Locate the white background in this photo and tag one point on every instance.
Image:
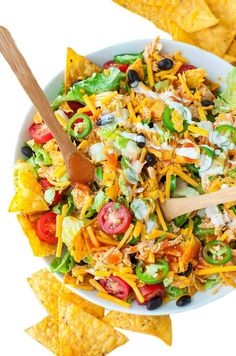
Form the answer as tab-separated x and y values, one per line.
43	30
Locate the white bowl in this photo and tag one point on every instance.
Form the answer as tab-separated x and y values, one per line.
217	70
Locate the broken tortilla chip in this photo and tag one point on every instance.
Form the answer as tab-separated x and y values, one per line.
232	49
194	15
225	11
158	325
80	333
48	288
46	332
215	39
179	34
78	68
230	59
39	248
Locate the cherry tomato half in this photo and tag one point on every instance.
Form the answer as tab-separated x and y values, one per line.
121	67
116	286
150	291
40	133
114	218
46	228
185	67
45	185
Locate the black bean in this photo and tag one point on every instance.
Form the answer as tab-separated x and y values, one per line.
207	103
119	158
154	303
150	160
150	125
133	259
165	64
232	244
184	300
105	119
27	151
187	272
133	78
141	140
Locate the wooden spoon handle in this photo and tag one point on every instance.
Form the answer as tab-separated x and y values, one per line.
178	206
23	73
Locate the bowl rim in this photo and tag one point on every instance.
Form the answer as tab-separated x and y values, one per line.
89	295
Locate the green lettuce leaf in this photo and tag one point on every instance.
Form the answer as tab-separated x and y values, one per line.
97	83
226	101
100	199
62	264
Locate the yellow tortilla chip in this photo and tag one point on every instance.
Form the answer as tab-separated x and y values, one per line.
194	15
37	118
159	325
46	332
138	67
232	49
80	333
179	34
73	282
39	247
47	289
27	201
78	68
196	78
215	39
225	11
229	59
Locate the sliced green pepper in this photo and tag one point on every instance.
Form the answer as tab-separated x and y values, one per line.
127	58
228	131
174	292
79	126
181	220
217	252
99	173
153	273
172	184
167	122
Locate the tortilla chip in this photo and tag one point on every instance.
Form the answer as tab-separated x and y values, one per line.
81	333
46	332
78	68
39	248
138	67
159	325
178	34
194	15
195	77
232	49
27	201
229	59
215	39
225	11
73	282
47	289
37	118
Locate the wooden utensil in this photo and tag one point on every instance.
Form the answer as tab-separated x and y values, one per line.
79	168
174	207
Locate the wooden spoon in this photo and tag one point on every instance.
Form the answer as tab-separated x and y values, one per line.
79	168
178	206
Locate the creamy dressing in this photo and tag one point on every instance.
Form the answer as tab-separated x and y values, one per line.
216	217
129	135
205	125
188	152
120	116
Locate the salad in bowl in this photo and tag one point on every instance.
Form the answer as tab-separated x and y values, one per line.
156	126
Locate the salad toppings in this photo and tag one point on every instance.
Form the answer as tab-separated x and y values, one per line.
114	218
152	134
46	228
184	300
120	66
27	151
165	64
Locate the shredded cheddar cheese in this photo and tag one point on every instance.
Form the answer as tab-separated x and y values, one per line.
113	299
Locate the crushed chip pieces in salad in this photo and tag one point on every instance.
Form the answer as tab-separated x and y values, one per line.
156	127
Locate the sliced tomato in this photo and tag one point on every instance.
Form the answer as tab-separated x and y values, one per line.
185	67
116	286
40	133
150	291
45	185
122	67
75	105
114	218
46	228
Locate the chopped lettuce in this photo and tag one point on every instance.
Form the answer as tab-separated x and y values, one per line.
131	170
141	209
125	188
151	223
183	190
108	132
96	152
42	157
97	83
62	264
49	195
226	101
162	85
70	228
100	199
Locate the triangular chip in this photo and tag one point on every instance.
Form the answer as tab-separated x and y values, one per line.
78	68
27	201
230	59
232	49
194	15
159	325
81	333
47	289
225	11
46	332
39	247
